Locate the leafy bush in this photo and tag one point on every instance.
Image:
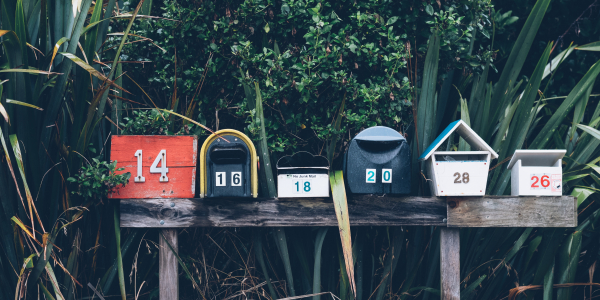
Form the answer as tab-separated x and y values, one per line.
97	179
153	122
307	56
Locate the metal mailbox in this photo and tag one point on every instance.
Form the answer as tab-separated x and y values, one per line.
536	172
228	165
458	173
378	162
302	175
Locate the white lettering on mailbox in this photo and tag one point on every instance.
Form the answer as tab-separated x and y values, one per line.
371	175
163	170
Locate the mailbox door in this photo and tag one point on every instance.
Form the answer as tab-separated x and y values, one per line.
228	168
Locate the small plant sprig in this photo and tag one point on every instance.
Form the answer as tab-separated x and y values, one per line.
151	122
97	179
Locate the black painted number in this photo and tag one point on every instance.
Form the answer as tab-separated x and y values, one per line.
465	177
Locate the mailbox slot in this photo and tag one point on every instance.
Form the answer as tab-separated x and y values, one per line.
378	162
228	155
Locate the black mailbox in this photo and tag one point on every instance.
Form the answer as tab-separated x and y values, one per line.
228	165
378	162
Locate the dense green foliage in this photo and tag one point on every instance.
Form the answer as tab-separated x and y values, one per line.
306	56
96	179
324	70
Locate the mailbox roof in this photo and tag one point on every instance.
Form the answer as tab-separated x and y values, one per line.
379	134
303	160
466	133
538	158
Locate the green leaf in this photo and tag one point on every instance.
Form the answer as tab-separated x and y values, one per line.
595	46
23	104
519	52
582	194
392	20
429	9
338	193
578	92
592	131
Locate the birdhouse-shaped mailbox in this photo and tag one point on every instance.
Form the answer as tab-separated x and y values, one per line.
378	162
302	175
536	172
458	173
160	166
228	165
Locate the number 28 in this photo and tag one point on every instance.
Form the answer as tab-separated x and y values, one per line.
465	177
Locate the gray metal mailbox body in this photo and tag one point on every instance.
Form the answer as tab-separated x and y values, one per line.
228	168
378	162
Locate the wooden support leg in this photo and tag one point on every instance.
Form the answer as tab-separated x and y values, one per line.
450	264
167	266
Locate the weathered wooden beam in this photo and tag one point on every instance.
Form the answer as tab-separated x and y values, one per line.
512	211
168	280
450	264
364	210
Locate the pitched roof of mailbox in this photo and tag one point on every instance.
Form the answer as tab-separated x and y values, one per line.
466	133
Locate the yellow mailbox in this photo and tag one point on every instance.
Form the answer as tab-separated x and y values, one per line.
228	165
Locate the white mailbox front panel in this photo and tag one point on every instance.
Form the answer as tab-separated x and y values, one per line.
302	185
536	181
459	177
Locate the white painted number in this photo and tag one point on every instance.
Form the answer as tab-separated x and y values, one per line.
163	170
139	177
236	178
386	176
371	175
220	176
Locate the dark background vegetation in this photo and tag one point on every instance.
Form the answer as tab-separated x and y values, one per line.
308	57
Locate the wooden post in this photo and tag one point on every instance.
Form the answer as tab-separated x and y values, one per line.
167	266
450	264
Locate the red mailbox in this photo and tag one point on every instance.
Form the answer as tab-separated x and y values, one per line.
160	166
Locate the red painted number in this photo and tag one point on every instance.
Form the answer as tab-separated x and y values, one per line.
545	181
534	184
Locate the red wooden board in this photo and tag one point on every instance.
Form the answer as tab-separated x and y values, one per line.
181	153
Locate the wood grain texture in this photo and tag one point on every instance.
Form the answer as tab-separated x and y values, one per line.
512	211
182	152
450	263
364	210
168	280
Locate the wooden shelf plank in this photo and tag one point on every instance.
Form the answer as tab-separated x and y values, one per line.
512	211
364	210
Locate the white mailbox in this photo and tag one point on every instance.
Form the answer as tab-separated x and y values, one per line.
458	173
536	172
302	175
